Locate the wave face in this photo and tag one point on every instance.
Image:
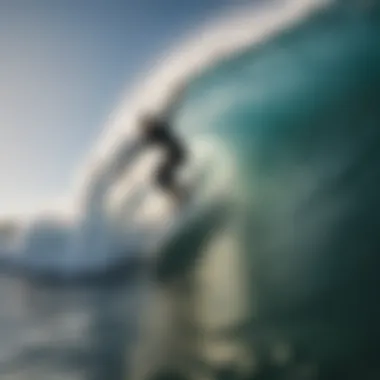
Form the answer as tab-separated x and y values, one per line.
298	115
294	263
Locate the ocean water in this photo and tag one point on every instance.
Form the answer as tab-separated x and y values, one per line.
299	118
57	332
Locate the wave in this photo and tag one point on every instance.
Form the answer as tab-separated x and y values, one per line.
119	217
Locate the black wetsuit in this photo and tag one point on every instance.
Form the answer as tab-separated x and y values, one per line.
162	136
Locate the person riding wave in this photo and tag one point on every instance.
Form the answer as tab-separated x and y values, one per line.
156	131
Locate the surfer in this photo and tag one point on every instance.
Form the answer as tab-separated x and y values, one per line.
157	132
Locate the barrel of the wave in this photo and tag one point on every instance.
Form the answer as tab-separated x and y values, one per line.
299	116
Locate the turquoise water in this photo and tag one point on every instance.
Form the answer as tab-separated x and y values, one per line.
300	117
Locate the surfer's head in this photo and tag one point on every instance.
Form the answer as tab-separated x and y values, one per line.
149	122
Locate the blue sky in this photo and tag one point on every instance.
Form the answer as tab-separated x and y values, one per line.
64	66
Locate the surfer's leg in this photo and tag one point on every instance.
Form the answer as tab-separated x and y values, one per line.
165	179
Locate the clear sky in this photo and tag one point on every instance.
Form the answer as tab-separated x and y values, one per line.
64	65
